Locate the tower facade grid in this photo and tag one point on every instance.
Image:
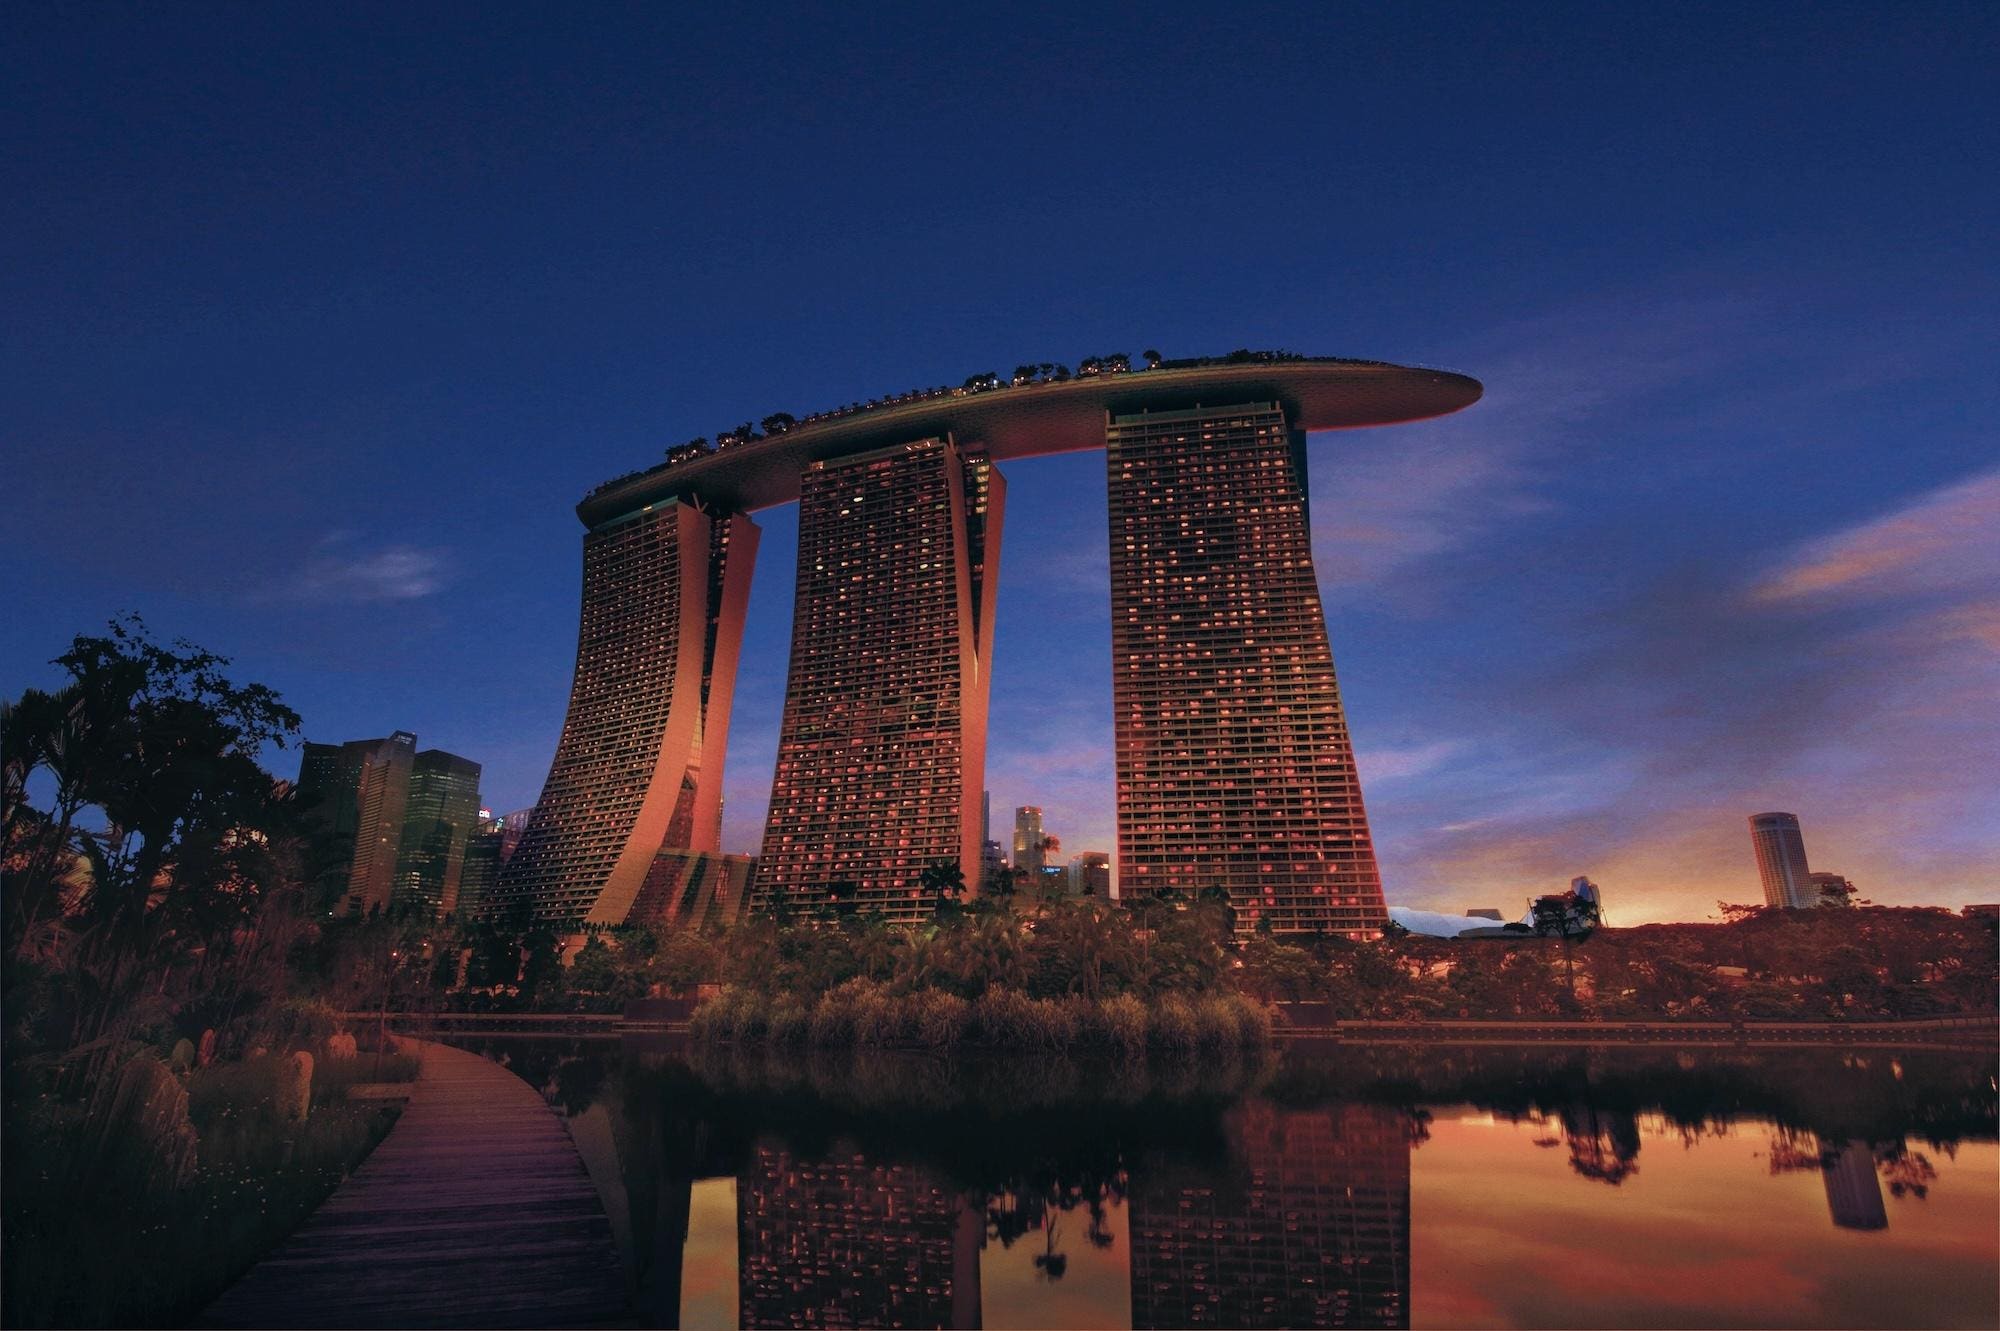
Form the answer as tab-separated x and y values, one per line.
1233	759
639	763
883	742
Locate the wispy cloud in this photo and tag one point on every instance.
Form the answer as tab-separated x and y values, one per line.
1946	541
1388	503
346	566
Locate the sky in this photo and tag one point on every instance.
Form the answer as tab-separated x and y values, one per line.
320	319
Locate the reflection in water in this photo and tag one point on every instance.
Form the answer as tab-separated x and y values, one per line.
849	1241
908	1192
1853	1193
1307	1225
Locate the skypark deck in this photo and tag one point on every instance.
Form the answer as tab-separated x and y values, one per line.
1037	419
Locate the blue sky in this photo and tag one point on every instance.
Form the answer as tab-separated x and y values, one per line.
320	319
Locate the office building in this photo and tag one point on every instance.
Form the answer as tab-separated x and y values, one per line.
1028	840
1781	860
358	792
882	748
439	817
1233	759
639	762
1830	889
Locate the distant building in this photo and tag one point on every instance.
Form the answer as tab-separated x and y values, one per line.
1090	875
357	793
1485	913
439	818
1830	889
1028	839
992	866
1781	860
479	870
1985	910
1853	1192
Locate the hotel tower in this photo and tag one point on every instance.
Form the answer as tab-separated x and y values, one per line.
1233	761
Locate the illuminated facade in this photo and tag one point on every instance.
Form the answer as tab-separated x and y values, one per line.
1781	860
639	764
883	744
1028	838
1233	760
1232	751
1309	1226
845	1242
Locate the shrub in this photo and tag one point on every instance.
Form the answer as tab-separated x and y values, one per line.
877	1017
1010	1019
1215	1021
788	1023
1171	1025
1123	1021
1253	1022
939	1020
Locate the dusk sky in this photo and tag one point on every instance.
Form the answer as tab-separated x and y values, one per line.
318	322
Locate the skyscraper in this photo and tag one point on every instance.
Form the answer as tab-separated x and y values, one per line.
1781	860
1028	840
358	792
883	743
439	818
1233	760
639	764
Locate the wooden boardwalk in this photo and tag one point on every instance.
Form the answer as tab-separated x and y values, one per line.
474	1211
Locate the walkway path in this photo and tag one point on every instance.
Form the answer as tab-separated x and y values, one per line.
474	1211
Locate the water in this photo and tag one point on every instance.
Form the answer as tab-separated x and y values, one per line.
1390	1187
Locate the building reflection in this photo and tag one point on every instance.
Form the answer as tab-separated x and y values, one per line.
1308	1225
1853	1191
846	1241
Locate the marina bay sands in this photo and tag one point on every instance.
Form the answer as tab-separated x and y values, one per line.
1233	761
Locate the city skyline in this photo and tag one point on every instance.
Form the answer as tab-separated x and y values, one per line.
1719	539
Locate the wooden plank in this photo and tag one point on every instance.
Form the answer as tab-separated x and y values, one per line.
475	1210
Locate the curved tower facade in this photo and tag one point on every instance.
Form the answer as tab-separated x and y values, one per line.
1234	766
882	751
639	764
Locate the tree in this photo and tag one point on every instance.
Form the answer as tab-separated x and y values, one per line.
943	882
1152	358
1836	891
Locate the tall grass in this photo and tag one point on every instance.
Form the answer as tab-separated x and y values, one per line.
862	1014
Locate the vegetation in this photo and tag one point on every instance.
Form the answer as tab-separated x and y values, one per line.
161	1133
